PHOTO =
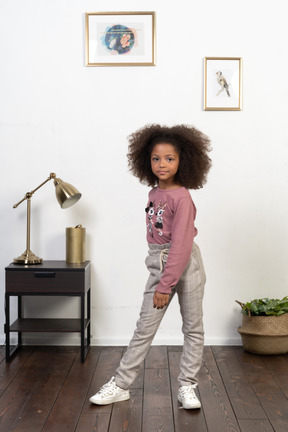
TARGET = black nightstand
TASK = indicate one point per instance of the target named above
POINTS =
(51, 278)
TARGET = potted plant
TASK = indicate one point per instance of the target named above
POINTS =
(265, 326)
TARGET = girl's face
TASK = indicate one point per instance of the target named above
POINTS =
(165, 164)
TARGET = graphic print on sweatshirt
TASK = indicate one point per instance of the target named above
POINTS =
(155, 217)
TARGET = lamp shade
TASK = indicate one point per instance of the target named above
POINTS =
(66, 194)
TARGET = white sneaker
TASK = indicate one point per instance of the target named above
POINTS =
(110, 393)
(188, 398)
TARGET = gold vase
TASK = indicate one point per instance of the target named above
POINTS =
(75, 244)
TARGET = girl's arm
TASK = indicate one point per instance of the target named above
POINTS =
(182, 236)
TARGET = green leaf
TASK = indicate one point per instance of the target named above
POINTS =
(265, 307)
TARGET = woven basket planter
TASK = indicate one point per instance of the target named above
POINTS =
(266, 335)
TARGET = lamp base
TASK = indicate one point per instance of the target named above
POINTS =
(28, 257)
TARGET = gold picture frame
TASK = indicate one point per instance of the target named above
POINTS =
(120, 39)
(223, 84)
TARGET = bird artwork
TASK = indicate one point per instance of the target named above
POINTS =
(223, 83)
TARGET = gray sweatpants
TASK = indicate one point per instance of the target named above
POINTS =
(190, 290)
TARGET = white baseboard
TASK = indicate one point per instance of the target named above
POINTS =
(162, 341)
(63, 339)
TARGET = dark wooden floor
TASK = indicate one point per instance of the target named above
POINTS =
(48, 388)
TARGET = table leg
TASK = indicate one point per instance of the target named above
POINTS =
(82, 328)
(7, 326)
(19, 317)
(89, 318)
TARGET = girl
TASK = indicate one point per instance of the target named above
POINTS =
(171, 160)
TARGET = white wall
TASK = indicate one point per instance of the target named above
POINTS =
(56, 115)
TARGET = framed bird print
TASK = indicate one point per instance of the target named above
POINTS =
(222, 84)
(120, 38)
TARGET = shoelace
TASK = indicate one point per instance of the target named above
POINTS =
(188, 391)
(108, 388)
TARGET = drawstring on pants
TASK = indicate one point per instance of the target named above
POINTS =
(163, 258)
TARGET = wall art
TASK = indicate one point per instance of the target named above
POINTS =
(120, 38)
(223, 83)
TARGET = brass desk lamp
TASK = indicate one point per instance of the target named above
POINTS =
(66, 194)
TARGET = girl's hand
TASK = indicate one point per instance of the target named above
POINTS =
(160, 300)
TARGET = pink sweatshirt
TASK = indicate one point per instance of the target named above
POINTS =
(170, 216)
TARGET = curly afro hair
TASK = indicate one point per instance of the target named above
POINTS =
(191, 144)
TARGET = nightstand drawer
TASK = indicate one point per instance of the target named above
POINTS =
(48, 281)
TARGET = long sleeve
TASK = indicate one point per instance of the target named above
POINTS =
(170, 216)
(182, 236)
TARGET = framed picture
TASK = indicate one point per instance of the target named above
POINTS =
(222, 83)
(120, 38)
